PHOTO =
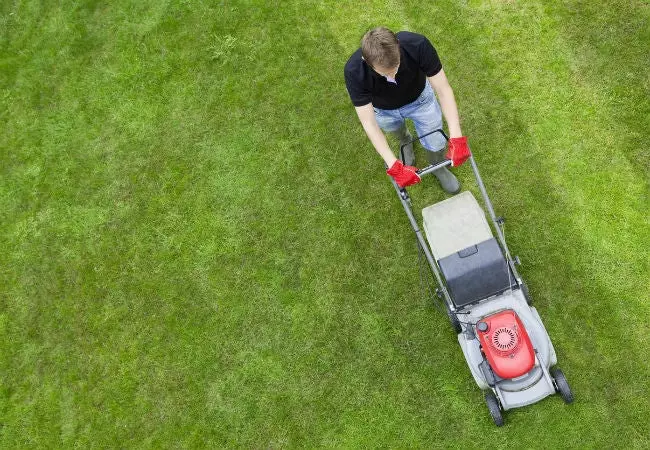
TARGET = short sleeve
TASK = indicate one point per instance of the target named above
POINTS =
(359, 94)
(429, 61)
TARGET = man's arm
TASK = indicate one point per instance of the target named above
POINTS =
(441, 85)
(367, 118)
(457, 151)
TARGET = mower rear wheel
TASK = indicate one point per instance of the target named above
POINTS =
(495, 409)
(562, 385)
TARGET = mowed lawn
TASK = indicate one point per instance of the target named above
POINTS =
(200, 248)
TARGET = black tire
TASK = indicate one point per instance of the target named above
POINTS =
(524, 290)
(562, 385)
(455, 324)
(495, 409)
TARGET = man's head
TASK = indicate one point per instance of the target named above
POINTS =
(380, 50)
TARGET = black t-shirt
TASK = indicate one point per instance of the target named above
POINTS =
(418, 60)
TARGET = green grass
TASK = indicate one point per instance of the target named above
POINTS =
(200, 248)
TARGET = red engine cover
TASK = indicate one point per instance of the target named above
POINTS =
(506, 344)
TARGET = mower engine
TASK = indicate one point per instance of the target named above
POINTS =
(506, 344)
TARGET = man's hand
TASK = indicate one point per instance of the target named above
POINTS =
(403, 175)
(458, 151)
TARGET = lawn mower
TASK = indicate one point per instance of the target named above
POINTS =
(507, 348)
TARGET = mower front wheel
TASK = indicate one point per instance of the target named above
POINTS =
(562, 385)
(495, 409)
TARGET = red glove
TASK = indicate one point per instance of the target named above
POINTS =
(458, 151)
(403, 175)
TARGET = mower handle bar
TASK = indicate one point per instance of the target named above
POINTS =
(432, 168)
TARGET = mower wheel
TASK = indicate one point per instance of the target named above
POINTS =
(495, 409)
(455, 324)
(524, 290)
(562, 385)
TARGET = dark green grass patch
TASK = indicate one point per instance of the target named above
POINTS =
(200, 248)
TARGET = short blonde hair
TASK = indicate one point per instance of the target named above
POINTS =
(380, 48)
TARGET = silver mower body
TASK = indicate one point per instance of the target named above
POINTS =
(459, 223)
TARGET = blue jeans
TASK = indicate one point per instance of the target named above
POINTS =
(425, 114)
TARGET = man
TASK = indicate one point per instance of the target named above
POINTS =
(392, 77)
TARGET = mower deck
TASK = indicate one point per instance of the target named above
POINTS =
(523, 390)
